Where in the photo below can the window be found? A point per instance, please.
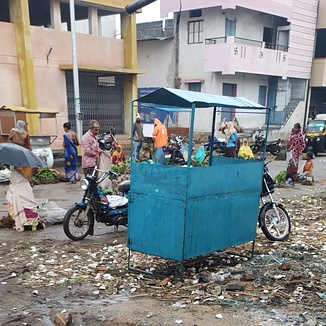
(262, 95)
(229, 27)
(4, 11)
(195, 32)
(195, 87)
(106, 81)
(195, 13)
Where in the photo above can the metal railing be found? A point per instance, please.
(250, 42)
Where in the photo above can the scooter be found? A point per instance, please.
(107, 141)
(219, 145)
(273, 218)
(273, 147)
(79, 220)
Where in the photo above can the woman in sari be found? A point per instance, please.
(296, 145)
(20, 136)
(70, 143)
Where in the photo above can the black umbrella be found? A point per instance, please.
(12, 154)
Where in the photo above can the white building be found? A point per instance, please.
(262, 50)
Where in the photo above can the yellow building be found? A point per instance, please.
(36, 62)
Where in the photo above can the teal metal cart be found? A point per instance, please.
(184, 212)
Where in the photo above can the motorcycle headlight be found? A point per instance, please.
(318, 139)
(84, 184)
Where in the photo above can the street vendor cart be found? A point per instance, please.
(182, 212)
(9, 115)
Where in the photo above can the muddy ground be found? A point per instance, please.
(42, 273)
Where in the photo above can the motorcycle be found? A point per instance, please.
(274, 147)
(219, 145)
(176, 153)
(96, 206)
(273, 218)
(107, 141)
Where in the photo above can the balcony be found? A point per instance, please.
(230, 55)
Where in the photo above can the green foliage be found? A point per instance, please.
(119, 168)
(45, 175)
(281, 177)
(107, 191)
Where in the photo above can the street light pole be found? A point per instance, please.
(79, 125)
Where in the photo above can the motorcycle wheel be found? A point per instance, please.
(275, 150)
(77, 224)
(273, 229)
(254, 149)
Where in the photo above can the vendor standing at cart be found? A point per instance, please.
(20, 136)
(160, 142)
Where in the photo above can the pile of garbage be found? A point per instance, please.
(289, 274)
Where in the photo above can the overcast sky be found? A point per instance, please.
(149, 13)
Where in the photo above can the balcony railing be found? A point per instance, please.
(245, 41)
(230, 55)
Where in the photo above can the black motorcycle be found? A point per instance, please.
(176, 153)
(96, 206)
(273, 217)
(219, 145)
(107, 140)
(273, 147)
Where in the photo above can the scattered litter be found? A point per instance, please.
(279, 273)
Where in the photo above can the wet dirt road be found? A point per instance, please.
(65, 274)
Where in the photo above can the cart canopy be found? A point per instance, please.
(185, 99)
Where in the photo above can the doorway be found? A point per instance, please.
(228, 90)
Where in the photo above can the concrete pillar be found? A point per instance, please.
(129, 36)
(93, 20)
(55, 13)
(19, 15)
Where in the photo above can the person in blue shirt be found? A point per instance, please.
(231, 140)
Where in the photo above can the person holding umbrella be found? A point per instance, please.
(20, 136)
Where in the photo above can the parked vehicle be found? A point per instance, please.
(176, 152)
(96, 206)
(273, 147)
(107, 141)
(273, 217)
(219, 145)
(315, 136)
